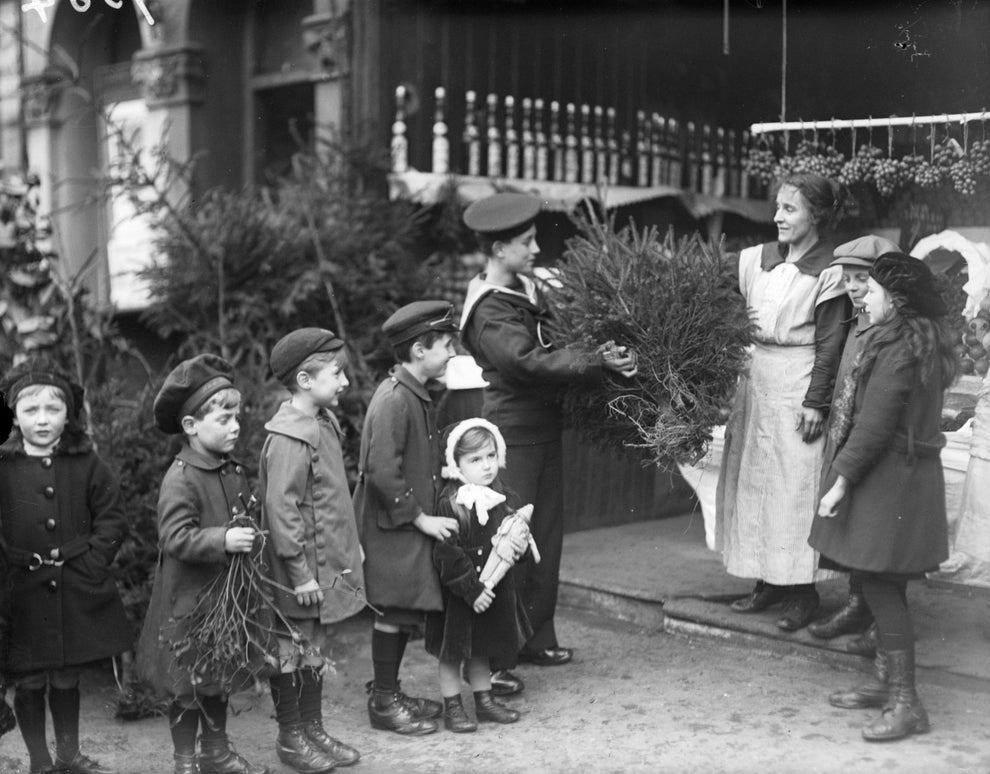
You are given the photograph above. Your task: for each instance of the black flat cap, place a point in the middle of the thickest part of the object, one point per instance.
(187, 387)
(292, 349)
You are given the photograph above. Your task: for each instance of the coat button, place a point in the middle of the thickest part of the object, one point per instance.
(317, 478)
(46, 462)
(321, 561)
(477, 569)
(315, 458)
(50, 524)
(238, 469)
(479, 552)
(49, 492)
(318, 527)
(53, 585)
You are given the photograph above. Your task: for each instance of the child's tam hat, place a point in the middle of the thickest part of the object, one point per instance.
(910, 284)
(417, 318)
(41, 371)
(189, 385)
(292, 349)
(453, 435)
(862, 251)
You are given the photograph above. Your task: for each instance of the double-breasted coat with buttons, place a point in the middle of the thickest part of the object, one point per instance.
(458, 632)
(196, 500)
(398, 479)
(71, 613)
(307, 510)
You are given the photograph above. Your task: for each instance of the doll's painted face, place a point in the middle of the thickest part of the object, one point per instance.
(41, 413)
(877, 302)
(480, 466)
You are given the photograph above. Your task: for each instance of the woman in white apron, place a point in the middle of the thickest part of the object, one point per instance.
(768, 485)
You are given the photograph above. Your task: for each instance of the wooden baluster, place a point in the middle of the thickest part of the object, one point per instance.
(494, 139)
(571, 163)
(674, 151)
(707, 173)
(627, 168)
(556, 141)
(720, 186)
(613, 148)
(642, 150)
(511, 140)
(528, 141)
(731, 163)
(745, 189)
(441, 145)
(691, 159)
(472, 136)
(542, 159)
(601, 159)
(587, 147)
(656, 150)
(400, 145)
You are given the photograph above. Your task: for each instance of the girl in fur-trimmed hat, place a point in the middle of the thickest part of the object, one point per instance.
(478, 623)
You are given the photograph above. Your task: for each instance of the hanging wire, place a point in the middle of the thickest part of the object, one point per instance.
(965, 131)
(914, 137)
(890, 141)
(869, 133)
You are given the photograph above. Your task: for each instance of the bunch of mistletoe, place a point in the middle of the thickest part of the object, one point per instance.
(674, 301)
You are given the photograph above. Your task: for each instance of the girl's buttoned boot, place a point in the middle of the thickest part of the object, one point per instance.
(29, 709)
(454, 716)
(487, 709)
(873, 693)
(311, 712)
(903, 714)
(292, 744)
(217, 756)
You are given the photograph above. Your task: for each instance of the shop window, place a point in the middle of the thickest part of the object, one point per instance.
(283, 118)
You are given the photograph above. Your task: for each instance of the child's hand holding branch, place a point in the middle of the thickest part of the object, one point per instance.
(437, 527)
(484, 600)
(238, 540)
(308, 593)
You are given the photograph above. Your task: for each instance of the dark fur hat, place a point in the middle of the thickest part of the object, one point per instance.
(910, 283)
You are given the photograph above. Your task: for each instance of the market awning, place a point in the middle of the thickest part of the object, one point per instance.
(429, 188)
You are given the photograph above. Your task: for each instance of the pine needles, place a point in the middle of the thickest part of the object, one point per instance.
(675, 303)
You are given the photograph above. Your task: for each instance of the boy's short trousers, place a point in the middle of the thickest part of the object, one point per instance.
(402, 617)
(312, 648)
(65, 677)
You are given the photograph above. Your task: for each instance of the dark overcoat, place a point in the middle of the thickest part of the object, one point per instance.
(458, 632)
(893, 519)
(307, 510)
(398, 474)
(68, 614)
(196, 500)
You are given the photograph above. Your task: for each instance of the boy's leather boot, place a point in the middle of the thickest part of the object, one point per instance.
(487, 709)
(455, 718)
(852, 618)
(388, 712)
(185, 764)
(873, 693)
(421, 708)
(29, 708)
(292, 745)
(217, 756)
(311, 713)
(903, 714)
(64, 704)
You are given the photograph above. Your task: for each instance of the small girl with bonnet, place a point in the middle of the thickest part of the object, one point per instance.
(479, 622)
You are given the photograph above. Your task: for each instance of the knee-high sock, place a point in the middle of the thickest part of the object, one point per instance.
(311, 695)
(214, 718)
(386, 654)
(64, 704)
(29, 708)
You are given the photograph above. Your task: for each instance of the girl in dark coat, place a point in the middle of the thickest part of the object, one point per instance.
(63, 524)
(883, 507)
(478, 623)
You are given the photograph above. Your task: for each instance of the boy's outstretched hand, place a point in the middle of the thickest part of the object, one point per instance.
(309, 593)
(437, 527)
(484, 600)
(238, 540)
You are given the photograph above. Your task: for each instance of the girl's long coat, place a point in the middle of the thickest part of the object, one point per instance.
(308, 512)
(197, 498)
(458, 632)
(893, 520)
(399, 470)
(70, 614)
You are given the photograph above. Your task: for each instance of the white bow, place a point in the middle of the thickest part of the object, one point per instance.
(479, 497)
